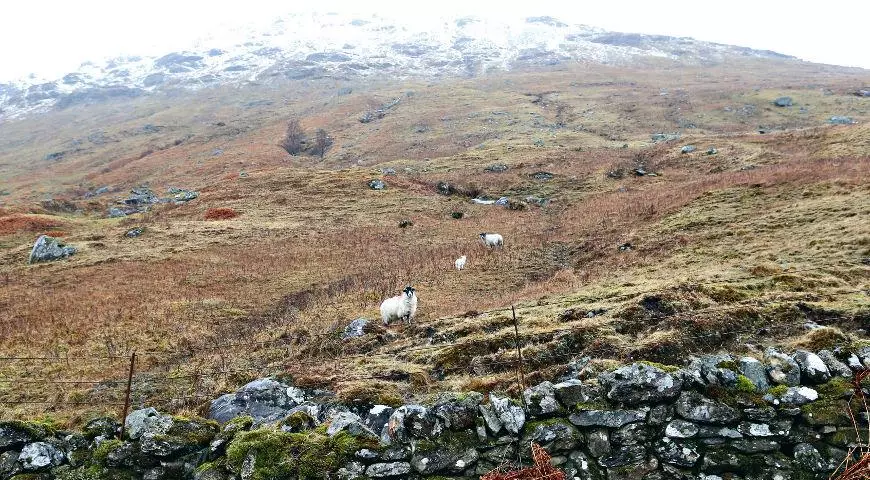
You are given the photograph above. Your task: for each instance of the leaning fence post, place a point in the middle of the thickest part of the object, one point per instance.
(127, 394)
(521, 376)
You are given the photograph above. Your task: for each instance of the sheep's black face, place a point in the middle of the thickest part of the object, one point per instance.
(409, 291)
(483, 235)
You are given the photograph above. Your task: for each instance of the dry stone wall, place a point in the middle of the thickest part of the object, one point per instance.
(718, 417)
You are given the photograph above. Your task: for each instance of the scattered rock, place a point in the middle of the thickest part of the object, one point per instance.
(47, 249)
(542, 176)
(840, 120)
(712, 151)
(355, 329)
(115, 212)
(687, 149)
(783, 102)
(134, 232)
(664, 137)
(377, 184)
(388, 171)
(496, 168)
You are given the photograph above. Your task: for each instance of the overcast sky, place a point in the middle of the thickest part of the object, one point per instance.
(53, 37)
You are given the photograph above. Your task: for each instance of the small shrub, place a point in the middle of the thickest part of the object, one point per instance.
(220, 213)
(457, 215)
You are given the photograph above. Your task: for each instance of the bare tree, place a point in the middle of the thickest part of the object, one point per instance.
(294, 137)
(321, 142)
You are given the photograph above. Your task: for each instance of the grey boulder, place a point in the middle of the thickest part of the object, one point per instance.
(39, 456)
(512, 416)
(694, 406)
(541, 400)
(47, 249)
(813, 368)
(147, 421)
(640, 383)
(265, 400)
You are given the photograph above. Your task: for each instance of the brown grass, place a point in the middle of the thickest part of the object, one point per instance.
(23, 223)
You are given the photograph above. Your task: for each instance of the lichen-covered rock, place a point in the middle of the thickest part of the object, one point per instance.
(47, 249)
(813, 368)
(147, 421)
(40, 456)
(808, 458)
(640, 383)
(15, 434)
(105, 427)
(799, 396)
(458, 412)
(631, 434)
(782, 369)
(684, 455)
(355, 329)
(694, 406)
(412, 421)
(755, 445)
(351, 471)
(490, 418)
(377, 417)
(783, 102)
(350, 423)
(512, 417)
(630, 455)
(571, 392)
(755, 429)
(598, 442)
(554, 435)
(9, 466)
(265, 400)
(681, 429)
(164, 446)
(452, 453)
(389, 470)
(377, 184)
(541, 400)
(754, 370)
(606, 418)
(835, 366)
(765, 414)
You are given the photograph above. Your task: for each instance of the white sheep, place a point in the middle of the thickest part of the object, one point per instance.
(492, 240)
(460, 263)
(400, 307)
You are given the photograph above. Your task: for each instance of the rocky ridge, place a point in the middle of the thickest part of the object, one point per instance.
(304, 47)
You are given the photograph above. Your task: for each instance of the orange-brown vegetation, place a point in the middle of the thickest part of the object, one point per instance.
(748, 239)
(220, 213)
(24, 223)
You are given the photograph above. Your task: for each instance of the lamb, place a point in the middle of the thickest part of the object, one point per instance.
(460, 263)
(492, 240)
(400, 307)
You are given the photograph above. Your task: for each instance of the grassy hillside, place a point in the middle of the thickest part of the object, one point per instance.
(735, 250)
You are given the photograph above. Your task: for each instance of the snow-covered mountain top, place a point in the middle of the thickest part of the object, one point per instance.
(304, 46)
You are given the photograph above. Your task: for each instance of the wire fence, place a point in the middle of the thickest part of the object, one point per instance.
(125, 382)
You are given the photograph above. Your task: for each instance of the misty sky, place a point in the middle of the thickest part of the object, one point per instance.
(53, 37)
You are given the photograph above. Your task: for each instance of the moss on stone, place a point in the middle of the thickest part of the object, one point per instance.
(661, 366)
(593, 405)
(194, 430)
(280, 454)
(832, 406)
(778, 391)
(729, 364)
(104, 449)
(745, 385)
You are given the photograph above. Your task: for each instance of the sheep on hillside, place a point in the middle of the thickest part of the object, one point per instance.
(492, 240)
(400, 307)
(460, 263)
